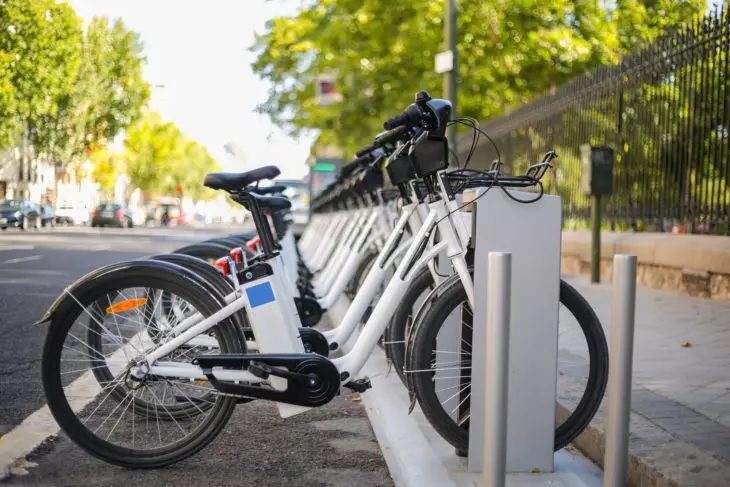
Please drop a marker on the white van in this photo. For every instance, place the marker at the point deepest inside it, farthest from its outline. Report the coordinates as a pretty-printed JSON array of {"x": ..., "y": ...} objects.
[{"x": 72, "y": 213}]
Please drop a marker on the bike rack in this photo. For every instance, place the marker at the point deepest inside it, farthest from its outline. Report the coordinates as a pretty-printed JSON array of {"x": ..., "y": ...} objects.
[
  {"x": 531, "y": 234},
  {"x": 497, "y": 370},
  {"x": 623, "y": 313},
  {"x": 499, "y": 275}
]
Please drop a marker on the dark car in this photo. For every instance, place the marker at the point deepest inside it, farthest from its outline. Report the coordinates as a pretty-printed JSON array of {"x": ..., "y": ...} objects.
[
  {"x": 112, "y": 215},
  {"x": 19, "y": 213}
]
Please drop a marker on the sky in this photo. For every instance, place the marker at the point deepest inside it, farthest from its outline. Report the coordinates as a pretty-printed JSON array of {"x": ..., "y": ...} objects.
[{"x": 197, "y": 52}]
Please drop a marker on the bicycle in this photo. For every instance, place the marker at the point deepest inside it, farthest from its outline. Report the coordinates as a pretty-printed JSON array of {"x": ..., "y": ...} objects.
[{"x": 281, "y": 372}]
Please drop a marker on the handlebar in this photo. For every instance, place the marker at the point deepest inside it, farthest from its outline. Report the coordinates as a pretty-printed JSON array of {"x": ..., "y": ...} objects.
[{"x": 383, "y": 139}]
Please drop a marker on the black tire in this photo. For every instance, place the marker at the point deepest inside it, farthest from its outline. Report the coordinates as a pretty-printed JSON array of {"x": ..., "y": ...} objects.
[
  {"x": 64, "y": 317},
  {"x": 225, "y": 242},
  {"x": 211, "y": 276},
  {"x": 209, "y": 252},
  {"x": 419, "y": 357},
  {"x": 398, "y": 330}
]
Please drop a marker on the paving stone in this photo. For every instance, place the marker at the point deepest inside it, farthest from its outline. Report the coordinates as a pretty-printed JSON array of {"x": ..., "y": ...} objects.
[{"x": 680, "y": 424}]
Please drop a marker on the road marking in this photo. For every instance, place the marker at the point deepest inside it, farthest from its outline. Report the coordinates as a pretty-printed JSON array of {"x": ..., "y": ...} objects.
[
  {"x": 37, "y": 272},
  {"x": 17, "y": 247},
  {"x": 34, "y": 429},
  {"x": 100, "y": 247},
  {"x": 23, "y": 259}
]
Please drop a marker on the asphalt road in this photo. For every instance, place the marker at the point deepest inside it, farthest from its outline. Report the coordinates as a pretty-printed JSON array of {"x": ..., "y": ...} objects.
[{"x": 333, "y": 445}]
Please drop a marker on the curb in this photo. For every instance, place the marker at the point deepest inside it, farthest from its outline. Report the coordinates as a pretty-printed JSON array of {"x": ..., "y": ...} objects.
[{"x": 656, "y": 457}]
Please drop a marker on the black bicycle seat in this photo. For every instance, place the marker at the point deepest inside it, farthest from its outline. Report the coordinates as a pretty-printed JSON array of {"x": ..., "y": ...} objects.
[
  {"x": 233, "y": 181},
  {"x": 271, "y": 203},
  {"x": 278, "y": 188}
]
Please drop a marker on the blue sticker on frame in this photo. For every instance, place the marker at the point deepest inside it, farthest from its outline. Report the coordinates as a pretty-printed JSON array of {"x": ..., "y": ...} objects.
[{"x": 260, "y": 294}]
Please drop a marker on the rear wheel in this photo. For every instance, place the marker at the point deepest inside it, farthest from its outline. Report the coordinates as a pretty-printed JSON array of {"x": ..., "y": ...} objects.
[
  {"x": 128, "y": 422},
  {"x": 209, "y": 252}
]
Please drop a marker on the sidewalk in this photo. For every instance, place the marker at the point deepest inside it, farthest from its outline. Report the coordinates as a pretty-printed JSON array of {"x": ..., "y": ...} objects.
[{"x": 680, "y": 426}]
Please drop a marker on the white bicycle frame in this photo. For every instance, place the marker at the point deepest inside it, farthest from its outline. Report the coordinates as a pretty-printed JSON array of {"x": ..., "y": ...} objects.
[{"x": 276, "y": 327}]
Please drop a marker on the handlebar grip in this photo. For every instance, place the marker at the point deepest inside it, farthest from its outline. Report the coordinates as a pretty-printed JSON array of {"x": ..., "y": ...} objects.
[
  {"x": 362, "y": 160},
  {"x": 397, "y": 121},
  {"x": 390, "y": 136},
  {"x": 366, "y": 150}
]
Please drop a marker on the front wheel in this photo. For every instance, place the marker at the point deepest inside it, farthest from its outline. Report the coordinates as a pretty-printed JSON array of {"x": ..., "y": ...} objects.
[
  {"x": 441, "y": 378},
  {"x": 127, "y": 422}
]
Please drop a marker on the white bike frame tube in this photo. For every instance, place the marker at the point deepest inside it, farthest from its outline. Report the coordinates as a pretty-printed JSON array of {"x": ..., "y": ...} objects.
[
  {"x": 330, "y": 242},
  {"x": 353, "y": 361},
  {"x": 337, "y": 244},
  {"x": 379, "y": 319},
  {"x": 373, "y": 280},
  {"x": 289, "y": 254},
  {"x": 348, "y": 269},
  {"x": 189, "y": 332},
  {"x": 324, "y": 282},
  {"x": 313, "y": 228},
  {"x": 327, "y": 245},
  {"x": 330, "y": 226},
  {"x": 347, "y": 263},
  {"x": 315, "y": 221},
  {"x": 367, "y": 292}
]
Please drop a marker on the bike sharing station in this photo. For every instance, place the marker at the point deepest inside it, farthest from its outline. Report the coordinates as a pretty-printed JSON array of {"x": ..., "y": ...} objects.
[
  {"x": 514, "y": 363},
  {"x": 260, "y": 344}
]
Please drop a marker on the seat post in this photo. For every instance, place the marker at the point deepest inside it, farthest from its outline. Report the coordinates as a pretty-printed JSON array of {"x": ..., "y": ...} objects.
[{"x": 262, "y": 226}]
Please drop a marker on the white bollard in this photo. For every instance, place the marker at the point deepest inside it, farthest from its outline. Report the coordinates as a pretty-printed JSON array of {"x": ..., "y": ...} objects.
[
  {"x": 499, "y": 273},
  {"x": 616, "y": 460}
]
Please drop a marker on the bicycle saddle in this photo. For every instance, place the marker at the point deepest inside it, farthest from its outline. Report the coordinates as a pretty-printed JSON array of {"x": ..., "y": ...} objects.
[
  {"x": 271, "y": 203},
  {"x": 232, "y": 181},
  {"x": 278, "y": 188}
]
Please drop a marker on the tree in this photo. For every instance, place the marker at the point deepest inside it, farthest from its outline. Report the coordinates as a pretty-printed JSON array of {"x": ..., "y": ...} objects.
[
  {"x": 158, "y": 158},
  {"x": 382, "y": 54},
  {"x": 106, "y": 169},
  {"x": 110, "y": 91},
  {"x": 40, "y": 47}
]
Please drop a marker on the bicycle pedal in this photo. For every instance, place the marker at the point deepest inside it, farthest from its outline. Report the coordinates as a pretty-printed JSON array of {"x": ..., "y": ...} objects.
[{"x": 359, "y": 385}]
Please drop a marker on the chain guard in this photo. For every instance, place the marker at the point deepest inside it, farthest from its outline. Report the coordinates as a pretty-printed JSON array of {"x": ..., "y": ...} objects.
[{"x": 325, "y": 386}]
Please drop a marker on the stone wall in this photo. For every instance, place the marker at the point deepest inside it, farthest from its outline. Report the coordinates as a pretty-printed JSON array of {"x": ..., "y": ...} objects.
[{"x": 698, "y": 265}]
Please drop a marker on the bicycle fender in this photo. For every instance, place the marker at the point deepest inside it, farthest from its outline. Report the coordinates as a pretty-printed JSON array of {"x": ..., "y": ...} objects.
[{"x": 89, "y": 280}]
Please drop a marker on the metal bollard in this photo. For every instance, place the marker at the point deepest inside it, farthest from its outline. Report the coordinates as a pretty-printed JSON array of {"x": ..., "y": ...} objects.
[
  {"x": 499, "y": 279},
  {"x": 616, "y": 459}
]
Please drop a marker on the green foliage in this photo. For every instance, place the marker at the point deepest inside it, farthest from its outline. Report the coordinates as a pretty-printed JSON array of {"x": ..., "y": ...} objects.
[
  {"x": 382, "y": 53},
  {"x": 106, "y": 169},
  {"x": 661, "y": 111},
  {"x": 40, "y": 46},
  {"x": 158, "y": 158},
  {"x": 109, "y": 92},
  {"x": 74, "y": 91}
]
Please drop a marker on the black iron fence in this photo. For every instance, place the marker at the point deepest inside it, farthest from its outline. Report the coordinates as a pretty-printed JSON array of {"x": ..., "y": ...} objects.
[{"x": 664, "y": 111}]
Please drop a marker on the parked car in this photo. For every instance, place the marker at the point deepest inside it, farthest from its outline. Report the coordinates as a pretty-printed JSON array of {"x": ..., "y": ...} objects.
[
  {"x": 48, "y": 216},
  {"x": 72, "y": 213},
  {"x": 19, "y": 213},
  {"x": 112, "y": 215}
]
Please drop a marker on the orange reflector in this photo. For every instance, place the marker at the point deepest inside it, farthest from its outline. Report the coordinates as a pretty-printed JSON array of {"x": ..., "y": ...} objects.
[
  {"x": 126, "y": 305},
  {"x": 202, "y": 381}
]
